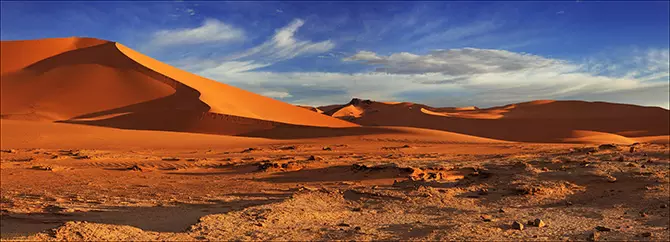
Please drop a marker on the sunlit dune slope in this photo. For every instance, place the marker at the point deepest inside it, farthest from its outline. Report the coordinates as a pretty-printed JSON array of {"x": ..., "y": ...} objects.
[
  {"x": 230, "y": 100},
  {"x": 536, "y": 121},
  {"x": 97, "y": 82}
]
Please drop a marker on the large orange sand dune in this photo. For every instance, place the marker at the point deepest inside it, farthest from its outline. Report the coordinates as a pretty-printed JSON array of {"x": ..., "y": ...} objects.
[{"x": 96, "y": 82}]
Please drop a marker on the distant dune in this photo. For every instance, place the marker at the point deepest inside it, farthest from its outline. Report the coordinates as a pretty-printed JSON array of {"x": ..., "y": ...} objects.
[
  {"x": 536, "y": 121},
  {"x": 97, "y": 82}
]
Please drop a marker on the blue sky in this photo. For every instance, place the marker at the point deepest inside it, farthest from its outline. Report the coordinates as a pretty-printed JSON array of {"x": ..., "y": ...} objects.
[{"x": 438, "y": 53}]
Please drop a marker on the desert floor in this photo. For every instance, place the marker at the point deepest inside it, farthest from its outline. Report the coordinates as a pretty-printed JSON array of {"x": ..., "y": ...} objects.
[{"x": 337, "y": 188}]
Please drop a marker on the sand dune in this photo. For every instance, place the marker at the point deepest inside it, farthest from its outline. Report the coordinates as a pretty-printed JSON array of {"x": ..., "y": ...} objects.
[
  {"x": 102, "y": 83},
  {"x": 592, "y": 137},
  {"x": 378, "y": 132},
  {"x": 96, "y": 82},
  {"x": 18, "y": 134},
  {"x": 536, "y": 121},
  {"x": 583, "y": 136},
  {"x": 348, "y": 112},
  {"x": 28, "y": 134}
]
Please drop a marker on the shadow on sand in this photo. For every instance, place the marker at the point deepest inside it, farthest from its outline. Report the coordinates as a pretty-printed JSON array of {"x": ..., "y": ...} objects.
[{"x": 176, "y": 217}]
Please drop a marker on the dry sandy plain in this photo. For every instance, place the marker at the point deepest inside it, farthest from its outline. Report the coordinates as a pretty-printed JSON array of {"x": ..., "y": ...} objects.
[{"x": 100, "y": 142}]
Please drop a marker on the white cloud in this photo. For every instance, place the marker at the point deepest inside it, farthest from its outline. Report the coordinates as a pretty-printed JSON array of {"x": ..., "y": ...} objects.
[
  {"x": 450, "y": 78},
  {"x": 457, "y": 62},
  {"x": 283, "y": 46},
  {"x": 647, "y": 65},
  {"x": 211, "y": 31},
  {"x": 276, "y": 94},
  {"x": 233, "y": 67}
]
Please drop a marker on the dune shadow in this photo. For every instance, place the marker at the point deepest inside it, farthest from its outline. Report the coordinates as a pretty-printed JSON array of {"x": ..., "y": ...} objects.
[
  {"x": 289, "y": 131},
  {"x": 223, "y": 170},
  {"x": 412, "y": 231},
  {"x": 329, "y": 174},
  {"x": 540, "y": 130}
]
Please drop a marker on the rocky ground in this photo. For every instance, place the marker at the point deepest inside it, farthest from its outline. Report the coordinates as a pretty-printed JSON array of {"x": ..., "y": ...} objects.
[{"x": 332, "y": 191}]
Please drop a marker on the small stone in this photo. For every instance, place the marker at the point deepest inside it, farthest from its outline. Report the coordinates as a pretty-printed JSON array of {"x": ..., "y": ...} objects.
[
  {"x": 568, "y": 203},
  {"x": 357, "y": 228},
  {"x": 539, "y": 223},
  {"x": 646, "y": 234},
  {"x": 43, "y": 168},
  {"x": 326, "y": 148},
  {"x": 517, "y": 225},
  {"x": 664, "y": 205},
  {"x": 603, "y": 228},
  {"x": 611, "y": 179},
  {"x": 632, "y": 149},
  {"x": 343, "y": 225},
  {"x": 594, "y": 236},
  {"x": 134, "y": 168},
  {"x": 247, "y": 150},
  {"x": 307, "y": 188},
  {"x": 356, "y": 209},
  {"x": 643, "y": 214},
  {"x": 501, "y": 210},
  {"x": 314, "y": 158},
  {"x": 487, "y": 218}
]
